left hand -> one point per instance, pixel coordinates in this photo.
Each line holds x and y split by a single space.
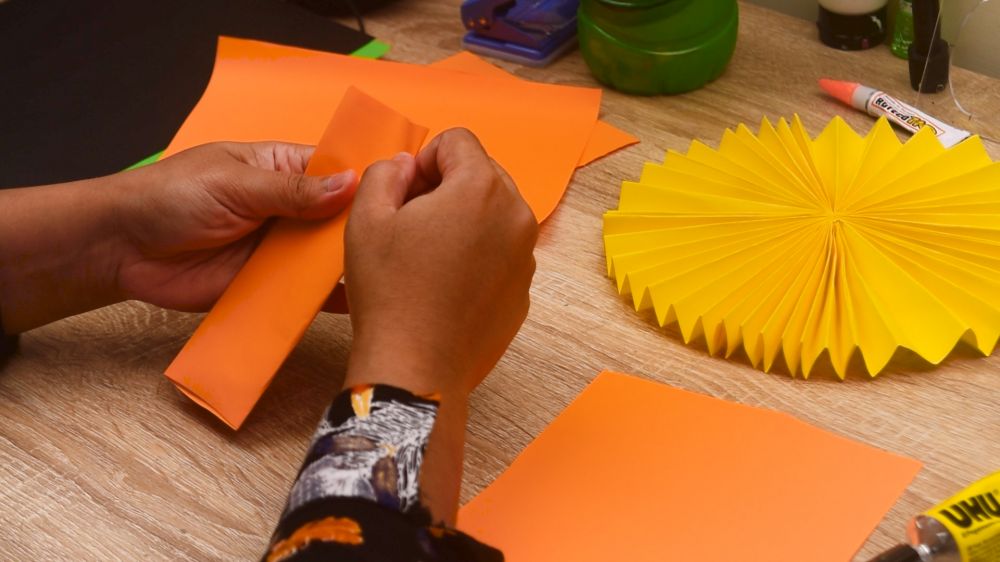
188 224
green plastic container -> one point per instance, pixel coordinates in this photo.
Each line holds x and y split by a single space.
657 46
902 30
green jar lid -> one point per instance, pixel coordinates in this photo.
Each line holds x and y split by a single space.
657 46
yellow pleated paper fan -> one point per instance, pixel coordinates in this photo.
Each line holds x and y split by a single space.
777 242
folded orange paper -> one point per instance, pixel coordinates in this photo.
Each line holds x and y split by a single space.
639 471
261 91
235 352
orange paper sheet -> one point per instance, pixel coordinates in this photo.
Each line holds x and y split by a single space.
639 471
604 138
235 352
537 132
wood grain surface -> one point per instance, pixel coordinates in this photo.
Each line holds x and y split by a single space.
102 459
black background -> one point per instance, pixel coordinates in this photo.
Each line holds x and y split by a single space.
90 87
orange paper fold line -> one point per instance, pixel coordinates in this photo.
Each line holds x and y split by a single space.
604 138
261 91
239 346
635 470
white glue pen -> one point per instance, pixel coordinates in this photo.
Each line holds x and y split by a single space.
877 103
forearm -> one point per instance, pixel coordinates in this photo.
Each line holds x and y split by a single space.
57 248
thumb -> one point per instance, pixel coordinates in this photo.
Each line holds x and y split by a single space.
268 193
385 186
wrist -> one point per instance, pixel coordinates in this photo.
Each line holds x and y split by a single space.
407 366
98 260
60 256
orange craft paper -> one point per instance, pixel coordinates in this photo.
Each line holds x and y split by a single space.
604 138
235 352
639 471
259 91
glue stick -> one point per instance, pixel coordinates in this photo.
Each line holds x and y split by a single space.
963 528
877 103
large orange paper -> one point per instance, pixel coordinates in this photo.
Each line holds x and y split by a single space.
235 352
537 132
604 138
635 470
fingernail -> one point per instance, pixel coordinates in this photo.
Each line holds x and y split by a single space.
339 181
403 157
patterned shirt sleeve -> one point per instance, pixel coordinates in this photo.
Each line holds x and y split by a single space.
357 498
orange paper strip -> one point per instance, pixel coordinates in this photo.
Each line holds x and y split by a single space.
604 138
537 132
635 470
235 352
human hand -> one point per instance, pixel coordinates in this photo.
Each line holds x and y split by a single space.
438 266
188 223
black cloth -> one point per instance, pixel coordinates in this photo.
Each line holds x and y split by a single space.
8 345
356 498
90 87
389 536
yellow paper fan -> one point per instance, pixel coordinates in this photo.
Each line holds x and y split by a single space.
777 242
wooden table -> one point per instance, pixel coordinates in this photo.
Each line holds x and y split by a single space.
101 458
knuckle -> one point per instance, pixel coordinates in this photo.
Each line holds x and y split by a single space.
377 169
524 218
217 146
239 151
459 134
532 230
462 139
525 307
297 192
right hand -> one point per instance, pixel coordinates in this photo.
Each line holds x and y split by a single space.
438 266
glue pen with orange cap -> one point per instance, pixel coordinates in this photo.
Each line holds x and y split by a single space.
877 103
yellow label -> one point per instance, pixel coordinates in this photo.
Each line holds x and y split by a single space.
973 517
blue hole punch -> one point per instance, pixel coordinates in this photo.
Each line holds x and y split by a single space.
530 32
